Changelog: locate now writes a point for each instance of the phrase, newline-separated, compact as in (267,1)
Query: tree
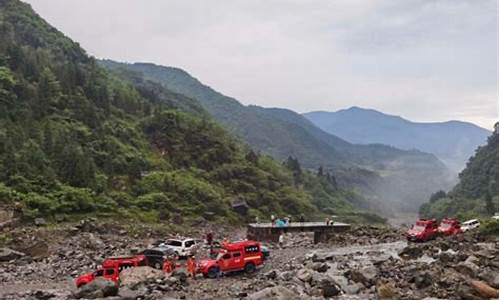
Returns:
(490,207)
(320,171)
(437,195)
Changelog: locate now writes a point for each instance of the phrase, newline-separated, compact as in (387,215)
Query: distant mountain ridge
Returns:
(453,141)
(382,172)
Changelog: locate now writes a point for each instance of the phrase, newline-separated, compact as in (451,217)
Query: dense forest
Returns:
(76,140)
(392,179)
(476,194)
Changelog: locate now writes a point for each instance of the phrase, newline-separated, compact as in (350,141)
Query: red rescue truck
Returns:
(423,230)
(111,268)
(449,227)
(240,256)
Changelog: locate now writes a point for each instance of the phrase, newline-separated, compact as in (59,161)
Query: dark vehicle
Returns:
(156,256)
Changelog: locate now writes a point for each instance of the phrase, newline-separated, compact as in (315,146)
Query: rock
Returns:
(180,274)
(98,288)
(127,294)
(468,268)
(422,280)
(490,277)
(329,288)
(40,222)
(466,292)
(286,276)
(320,267)
(274,293)
(483,289)
(37,250)
(411,252)
(271,274)
(134,276)
(386,291)
(304,275)
(446,257)
(7,254)
(366,275)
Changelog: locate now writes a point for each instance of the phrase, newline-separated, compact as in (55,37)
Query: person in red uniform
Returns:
(168,266)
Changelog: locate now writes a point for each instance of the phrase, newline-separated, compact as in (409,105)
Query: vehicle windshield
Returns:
(419,228)
(174,243)
(223,255)
(445,225)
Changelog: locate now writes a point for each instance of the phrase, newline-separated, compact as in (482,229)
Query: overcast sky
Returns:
(426,60)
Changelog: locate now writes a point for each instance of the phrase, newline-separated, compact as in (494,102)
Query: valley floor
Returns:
(366,263)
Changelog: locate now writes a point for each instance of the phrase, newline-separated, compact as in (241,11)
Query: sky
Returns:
(425,60)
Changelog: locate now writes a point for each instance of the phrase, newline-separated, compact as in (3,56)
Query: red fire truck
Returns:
(239,256)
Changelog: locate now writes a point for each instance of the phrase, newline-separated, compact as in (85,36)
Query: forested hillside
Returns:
(477,192)
(453,142)
(76,140)
(393,179)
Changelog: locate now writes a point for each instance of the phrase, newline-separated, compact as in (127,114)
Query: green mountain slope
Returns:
(400,179)
(453,142)
(476,194)
(76,140)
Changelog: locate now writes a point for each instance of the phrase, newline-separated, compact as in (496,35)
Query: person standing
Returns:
(273,219)
(281,240)
(191,266)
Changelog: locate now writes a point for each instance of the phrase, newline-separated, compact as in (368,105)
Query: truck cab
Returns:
(449,227)
(423,230)
(240,256)
(111,268)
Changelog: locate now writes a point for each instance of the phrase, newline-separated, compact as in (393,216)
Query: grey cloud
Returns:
(422,59)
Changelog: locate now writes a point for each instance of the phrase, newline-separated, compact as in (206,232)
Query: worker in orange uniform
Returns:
(168,266)
(191,266)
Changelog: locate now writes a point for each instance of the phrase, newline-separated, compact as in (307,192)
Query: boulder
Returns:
(411,252)
(422,280)
(134,276)
(274,293)
(286,276)
(7,254)
(320,267)
(304,275)
(467,268)
(127,294)
(365,275)
(483,289)
(37,250)
(386,291)
(98,288)
(329,288)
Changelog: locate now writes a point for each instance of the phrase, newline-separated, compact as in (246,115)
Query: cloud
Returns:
(422,59)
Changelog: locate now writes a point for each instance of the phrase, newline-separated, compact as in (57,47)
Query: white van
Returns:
(471,224)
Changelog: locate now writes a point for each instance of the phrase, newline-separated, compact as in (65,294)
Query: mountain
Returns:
(402,179)
(476,194)
(77,140)
(453,142)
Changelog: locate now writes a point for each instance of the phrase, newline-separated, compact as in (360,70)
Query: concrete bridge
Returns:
(271,233)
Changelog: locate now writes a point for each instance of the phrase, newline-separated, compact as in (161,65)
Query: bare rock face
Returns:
(98,288)
(135,276)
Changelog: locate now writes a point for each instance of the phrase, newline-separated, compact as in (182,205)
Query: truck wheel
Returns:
(250,268)
(213,272)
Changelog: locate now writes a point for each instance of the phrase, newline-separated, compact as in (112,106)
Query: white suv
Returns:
(181,247)
(471,224)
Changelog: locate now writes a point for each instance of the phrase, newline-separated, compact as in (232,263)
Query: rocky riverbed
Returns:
(365,263)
